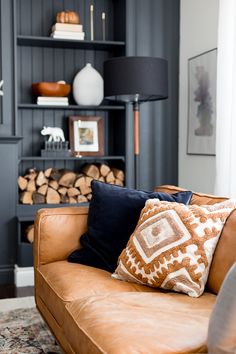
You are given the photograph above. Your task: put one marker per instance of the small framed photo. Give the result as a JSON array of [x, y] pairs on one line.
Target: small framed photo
[[86, 135], [202, 104]]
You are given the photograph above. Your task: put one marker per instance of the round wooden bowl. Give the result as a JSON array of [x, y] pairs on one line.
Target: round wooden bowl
[[51, 89]]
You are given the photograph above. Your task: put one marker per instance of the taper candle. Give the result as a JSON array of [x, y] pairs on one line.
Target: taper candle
[[91, 23], [103, 26]]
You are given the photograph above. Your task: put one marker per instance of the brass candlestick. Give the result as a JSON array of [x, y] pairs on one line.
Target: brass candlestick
[[103, 26], [91, 23]]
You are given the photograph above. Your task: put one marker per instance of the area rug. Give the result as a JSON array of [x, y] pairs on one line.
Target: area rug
[[22, 330]]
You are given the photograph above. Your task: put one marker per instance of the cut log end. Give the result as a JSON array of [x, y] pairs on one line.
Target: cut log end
[[91, 170], [29, 233], [26, 197], [22, 183], [67, 179], [52, 196], [41, 179], [38, 198]]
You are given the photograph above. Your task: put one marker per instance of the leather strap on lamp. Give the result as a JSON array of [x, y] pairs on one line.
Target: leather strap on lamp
[[135, 80]]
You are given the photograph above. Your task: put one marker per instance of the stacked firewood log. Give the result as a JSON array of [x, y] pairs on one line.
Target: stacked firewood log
[[29, 233], [65, 186]]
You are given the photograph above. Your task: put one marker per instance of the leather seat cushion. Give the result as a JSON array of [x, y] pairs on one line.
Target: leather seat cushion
[[131, 323], [61, 282]]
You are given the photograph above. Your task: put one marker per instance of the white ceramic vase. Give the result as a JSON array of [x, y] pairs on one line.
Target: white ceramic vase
[[88, 87]]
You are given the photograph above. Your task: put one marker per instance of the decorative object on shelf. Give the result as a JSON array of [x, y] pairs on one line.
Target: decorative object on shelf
[[67, 31], [51, 93], [78, 36], [55, 133], [136, 80], [202, 71], [55, 149], [103, 26], [53, 186], [86, 135], [67, 17], [56, 146], [88, 87], [52, 101], [51, 89], [91, 23], [67, 26]]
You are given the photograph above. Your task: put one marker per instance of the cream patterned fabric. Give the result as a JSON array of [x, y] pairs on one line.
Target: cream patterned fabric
[[173, 244]]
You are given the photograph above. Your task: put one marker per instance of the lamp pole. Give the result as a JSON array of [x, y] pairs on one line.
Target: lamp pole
[[136, 140]]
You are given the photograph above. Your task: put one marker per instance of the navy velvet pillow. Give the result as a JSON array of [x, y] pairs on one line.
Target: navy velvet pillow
[[113, 214]]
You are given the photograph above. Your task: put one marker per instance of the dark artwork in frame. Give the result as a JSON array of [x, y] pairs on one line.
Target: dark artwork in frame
[[202, 104]]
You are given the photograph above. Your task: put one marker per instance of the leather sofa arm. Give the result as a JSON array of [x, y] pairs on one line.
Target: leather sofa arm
[[57, 232]]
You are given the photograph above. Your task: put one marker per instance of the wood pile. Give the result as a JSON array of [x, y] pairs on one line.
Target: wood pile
[[65, 186]]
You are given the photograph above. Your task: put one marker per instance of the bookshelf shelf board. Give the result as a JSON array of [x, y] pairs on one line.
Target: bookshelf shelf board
[[10, 139], [26, 212], [72, 107], [83, 158], [36, 41]]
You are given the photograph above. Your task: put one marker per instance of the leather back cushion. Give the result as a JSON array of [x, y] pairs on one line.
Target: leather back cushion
[[197, 198], [225, 253]]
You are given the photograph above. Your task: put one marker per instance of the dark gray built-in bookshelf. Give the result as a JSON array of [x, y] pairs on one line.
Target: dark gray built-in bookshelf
[[38, 57], [28, 54]]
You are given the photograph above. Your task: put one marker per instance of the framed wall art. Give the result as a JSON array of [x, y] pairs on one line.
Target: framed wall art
[[86, 135], [202, 103]]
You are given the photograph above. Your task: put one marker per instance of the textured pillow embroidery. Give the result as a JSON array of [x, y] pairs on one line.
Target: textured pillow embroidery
[[173, 244]]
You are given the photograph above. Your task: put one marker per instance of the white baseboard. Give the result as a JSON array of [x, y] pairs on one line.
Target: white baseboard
[[24, 276]]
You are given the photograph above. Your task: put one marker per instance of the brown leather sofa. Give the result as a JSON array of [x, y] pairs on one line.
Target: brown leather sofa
[[89, 312]]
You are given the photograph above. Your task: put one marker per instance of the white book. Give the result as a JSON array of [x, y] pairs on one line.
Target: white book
[[69, 34], [77, 36], [66, 33], [70, 27], [52, 103], [52, 98]]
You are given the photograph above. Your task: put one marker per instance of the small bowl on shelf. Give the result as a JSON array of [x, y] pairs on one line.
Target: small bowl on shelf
[[51, 89]]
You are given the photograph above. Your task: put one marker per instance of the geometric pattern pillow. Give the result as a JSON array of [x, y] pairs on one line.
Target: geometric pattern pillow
[[173, 244]]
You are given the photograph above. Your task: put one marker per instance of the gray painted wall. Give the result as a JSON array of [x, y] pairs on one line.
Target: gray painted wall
[[152, 29], [8, 234], [7, 126], [196, 37]]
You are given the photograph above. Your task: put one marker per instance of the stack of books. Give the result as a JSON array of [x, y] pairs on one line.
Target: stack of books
[[52, 101], [67, 31]]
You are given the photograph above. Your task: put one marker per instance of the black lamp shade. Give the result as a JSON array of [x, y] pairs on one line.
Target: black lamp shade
[[131, 79]]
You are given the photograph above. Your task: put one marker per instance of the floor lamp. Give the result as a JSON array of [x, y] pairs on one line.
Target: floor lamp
[[135, 80]]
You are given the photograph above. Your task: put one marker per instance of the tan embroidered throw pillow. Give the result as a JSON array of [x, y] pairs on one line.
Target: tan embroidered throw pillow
[[173, 244]]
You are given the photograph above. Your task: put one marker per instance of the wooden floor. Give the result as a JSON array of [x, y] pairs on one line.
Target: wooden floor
[[9, 291]]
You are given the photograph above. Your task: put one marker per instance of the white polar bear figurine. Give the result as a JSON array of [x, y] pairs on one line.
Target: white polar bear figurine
[[56, 134]]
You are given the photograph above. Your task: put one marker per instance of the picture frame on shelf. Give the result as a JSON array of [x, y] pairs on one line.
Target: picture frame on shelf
[[201, 133], [86, 135]]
